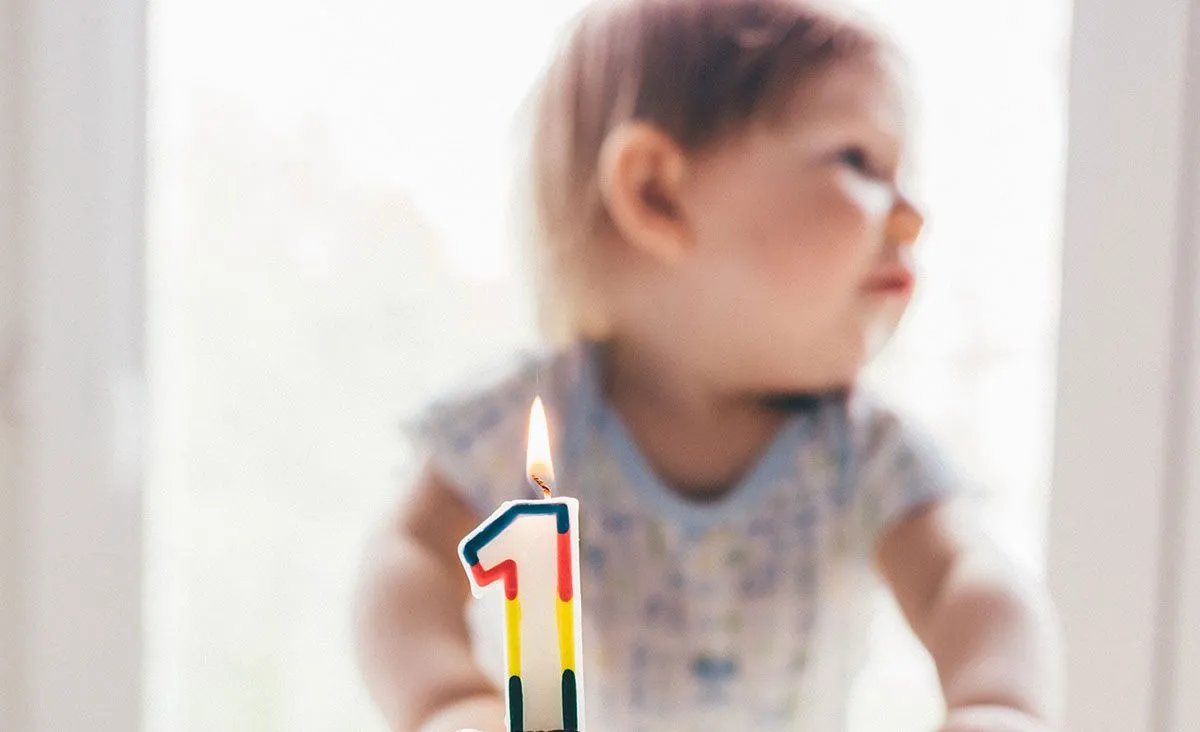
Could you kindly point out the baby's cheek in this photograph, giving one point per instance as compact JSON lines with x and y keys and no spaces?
{"x":809,"y":283}
{"x":812,"y":245}
{"x":802,"y":260}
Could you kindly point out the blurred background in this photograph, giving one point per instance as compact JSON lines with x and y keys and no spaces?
{"x":322,"y":247}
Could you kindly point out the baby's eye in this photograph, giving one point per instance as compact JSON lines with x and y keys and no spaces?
{"x":857,"y":159}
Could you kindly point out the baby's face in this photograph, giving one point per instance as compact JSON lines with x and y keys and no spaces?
{"x":801,"y":261}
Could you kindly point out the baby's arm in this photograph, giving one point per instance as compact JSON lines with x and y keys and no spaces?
{"x":414,"y":647}
{"x":991,"y":632}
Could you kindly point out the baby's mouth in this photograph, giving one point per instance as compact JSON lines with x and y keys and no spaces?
{"x":893,"y":279}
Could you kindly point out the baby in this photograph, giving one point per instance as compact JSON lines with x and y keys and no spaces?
{"x":726,"y":242}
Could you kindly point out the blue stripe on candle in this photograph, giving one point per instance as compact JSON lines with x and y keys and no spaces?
{"x":570,"y":702}
{"x":489,"y":532}
{"x":516,"y":705}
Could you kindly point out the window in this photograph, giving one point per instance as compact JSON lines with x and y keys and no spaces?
{"x":327,"y":252}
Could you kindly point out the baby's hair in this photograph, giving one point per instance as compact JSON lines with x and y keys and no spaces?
{"x":697,"y":70}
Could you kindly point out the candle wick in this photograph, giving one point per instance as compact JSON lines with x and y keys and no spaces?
{"x":541,"y":484}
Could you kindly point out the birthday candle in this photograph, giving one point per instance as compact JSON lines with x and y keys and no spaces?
{"x":532,"y":548}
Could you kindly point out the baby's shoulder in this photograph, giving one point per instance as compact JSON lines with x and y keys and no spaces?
{"x":896,"y":466}
{"x":475,"y":434}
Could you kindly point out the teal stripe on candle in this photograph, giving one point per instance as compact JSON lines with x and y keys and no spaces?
{"x":562,"y":515}
{"x":570,"y":702}
{"x":516,"y":705}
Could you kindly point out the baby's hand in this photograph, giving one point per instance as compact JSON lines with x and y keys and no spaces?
{"x":992,"y":719}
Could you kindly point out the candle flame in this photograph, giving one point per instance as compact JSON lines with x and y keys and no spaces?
{"x":539,"y":467}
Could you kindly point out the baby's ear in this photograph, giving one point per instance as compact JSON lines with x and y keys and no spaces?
{"x":642,"y":172}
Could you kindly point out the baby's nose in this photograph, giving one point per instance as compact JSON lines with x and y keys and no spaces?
{"x":905,"y":222}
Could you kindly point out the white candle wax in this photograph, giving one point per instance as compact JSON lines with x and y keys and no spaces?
{"x":529,"y":550}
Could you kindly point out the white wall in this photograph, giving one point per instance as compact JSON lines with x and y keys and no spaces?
{"x":10,"y":659}
{"x":1122,"y":548}
{"x":1186,"y":708}
{"x":71,"y":179}
{"x":1183,"y":606}
{"x":9,"y":662}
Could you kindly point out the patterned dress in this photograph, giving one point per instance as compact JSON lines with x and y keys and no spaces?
{"x":747,"y":613}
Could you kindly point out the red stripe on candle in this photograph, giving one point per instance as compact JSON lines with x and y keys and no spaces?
{"x":566,"y":586}
{"x":506,"y":570}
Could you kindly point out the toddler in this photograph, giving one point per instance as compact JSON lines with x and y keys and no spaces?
{"x":725,"y":242}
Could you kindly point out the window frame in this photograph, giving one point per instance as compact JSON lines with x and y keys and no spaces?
{"x":72,"y":137}
{"x":1123,"y":553}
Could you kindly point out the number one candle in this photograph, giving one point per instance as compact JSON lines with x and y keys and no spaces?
{"x":532,"y":548}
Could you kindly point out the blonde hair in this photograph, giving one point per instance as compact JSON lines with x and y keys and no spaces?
{"x":696,"y":69}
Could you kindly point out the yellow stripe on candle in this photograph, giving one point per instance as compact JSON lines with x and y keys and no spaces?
{"x":566,"y":633}
{"x":512,"y":618}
